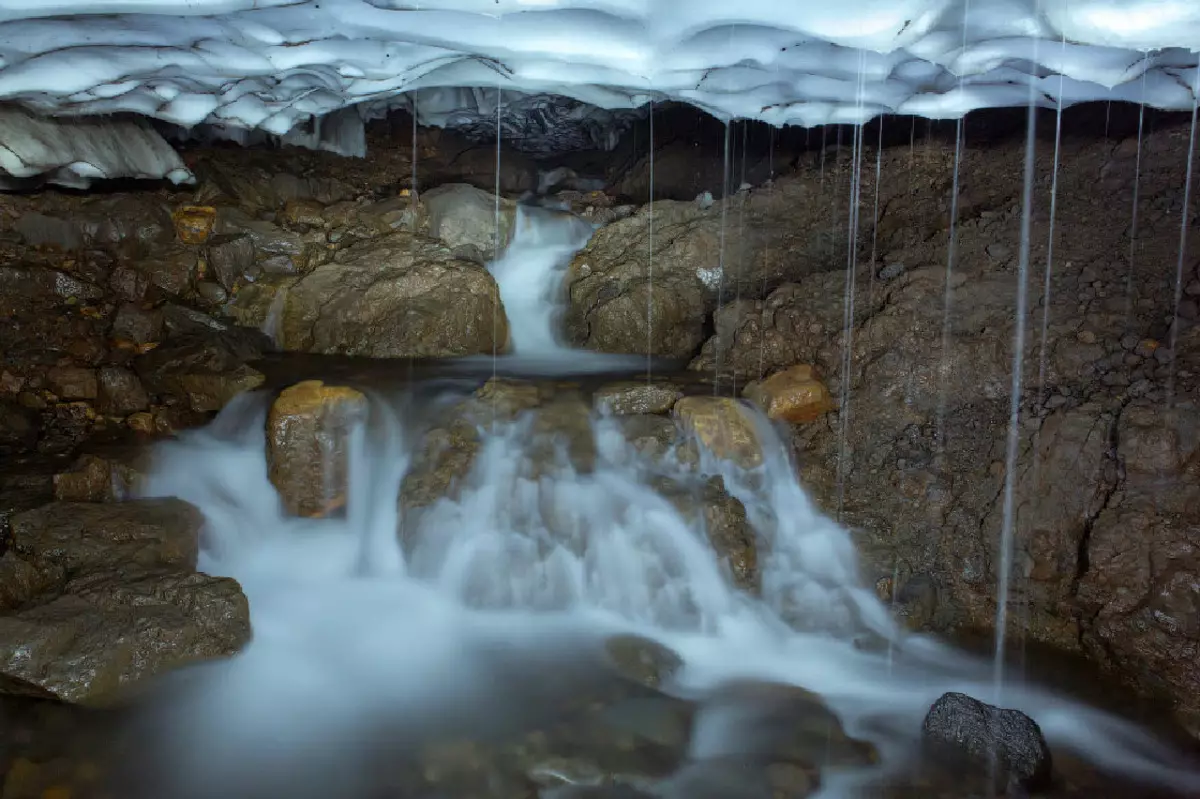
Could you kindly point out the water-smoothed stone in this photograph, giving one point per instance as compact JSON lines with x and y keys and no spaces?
{"x":194,"y":223}
{"x":399,"y":296}
{"x":650,"y":435}
{"x":631,"y":397}
{"x":465,"y":218}
{"x":974,"y":731}
{"x":794,"y":395}
{"x":308,"y":440}
{"x":722,"y":518}
{"x":106,"y":632}
{"x":641,"y":660}
{"x":723,"y":426}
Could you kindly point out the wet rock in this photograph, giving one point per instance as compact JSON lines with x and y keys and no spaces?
{"x":794,"y":395}
{"x":650,"y":435}
{"x":194,"y":223}
{"x":137,"y":325}
{"x":641,"y":660}
{"x":105,"y":633}
{"x":268,"y":239}
{"x":464,"y":218}
{"x":18,"y":427}
{"x":89,"y":479}
{"x":120,"y":392}
{"x":626,"y":398}
{"x":389,"y":216}
{"x":70,"y":539}
{"x":172,"y":270}
{"x":207,"y":371}
{"x":65,"y":425}
{"x":231,"y":259}
{"x":209,"y":392}
{"x":308,"y":432}
{"x":128,"y":283}
{"x":722,"y":518}
{"x":303,"y":213}
{"x":180,"y":321}
{"x":723,"y":426}
{"x":211,"y":293}
{"x":978,"y":732}
{"x":400,"y":296}
{"x":72,"y":382}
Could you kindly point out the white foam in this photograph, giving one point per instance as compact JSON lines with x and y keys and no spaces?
{"x":349,"y":638}
{"x":270,"y":64}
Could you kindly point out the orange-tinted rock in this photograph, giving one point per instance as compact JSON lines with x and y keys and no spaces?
{"x":724,"y":426}
{"x":194,"y":223}
{"x":308,"y":431}
{"x":794,"y":395}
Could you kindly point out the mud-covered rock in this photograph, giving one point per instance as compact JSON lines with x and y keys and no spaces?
{"x":400,"y":296}
{"x":308,"y":445}
{"x":963,"y":726}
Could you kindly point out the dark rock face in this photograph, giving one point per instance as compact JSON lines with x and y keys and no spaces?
{"x":97,"y":596}
{"x":968,"y":727}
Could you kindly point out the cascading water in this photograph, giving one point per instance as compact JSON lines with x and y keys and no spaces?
{"x":486,"y":605}
{"x":529,"y":276}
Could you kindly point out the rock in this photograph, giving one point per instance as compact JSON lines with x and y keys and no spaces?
{"x":212,"y":391}
{"x":70,"y":539}
{"x":194,"y":223}
{"x":623,"y":399}
{"x":308,"y":431}
{"x":18,"y":428}
{"x":892,"y":271}
{"x":128,"y":283}
{"x":464,"y":218}
{"x":231,"y":259}
{"x":137,"y":326}
{"x":303,"y":213}
{"x":651,"y":436}
{"x":107,"y":632}
{"x":400,"y":296}
{"x":72,"y":382}
{"x":723,"y":426}
{"x":211,"y":293}
{"x":794,"y":395}
{"x":172,"y":270}
{"x":268,"y":239}
{"x":978,"y":732}
{"x":389,"y":216}
{"x":183,"y":321}
{"x":722,"y":518}
{"x":89,"y":479}
{"x":120,"y":392}
{"x":641,"y":660}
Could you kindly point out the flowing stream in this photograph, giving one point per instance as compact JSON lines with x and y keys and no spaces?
{"x":379,"y":631}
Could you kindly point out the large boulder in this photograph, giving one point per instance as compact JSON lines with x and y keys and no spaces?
{"x":99,"y":596}
{"x":960,"y":726}
{"x":308,"y":445}
{"x":724,"y":427}
{"x":625,"y":298}
{"x":403,"y":295}
{"x":465,"y":219}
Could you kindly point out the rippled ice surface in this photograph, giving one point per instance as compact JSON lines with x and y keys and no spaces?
{"x":354,"y":636}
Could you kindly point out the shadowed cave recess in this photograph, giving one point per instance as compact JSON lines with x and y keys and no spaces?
{"x":620,"y":399}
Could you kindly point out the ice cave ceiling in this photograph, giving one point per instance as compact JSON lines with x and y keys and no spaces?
{"x":566,"y":72}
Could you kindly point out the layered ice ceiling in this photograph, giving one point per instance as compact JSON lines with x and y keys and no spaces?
{"x":282,"y":67}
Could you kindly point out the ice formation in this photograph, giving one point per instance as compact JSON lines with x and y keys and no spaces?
{"x":272,"y":64}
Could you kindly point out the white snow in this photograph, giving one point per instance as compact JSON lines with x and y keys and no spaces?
{"x":271,"y":64}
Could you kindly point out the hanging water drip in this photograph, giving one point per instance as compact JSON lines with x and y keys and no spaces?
{"x":1137,"y":180}
{"x":721,"y":257}
{"x":1008,"y":520}
{"x":650,"y":259}
{"x":1184,"y":223}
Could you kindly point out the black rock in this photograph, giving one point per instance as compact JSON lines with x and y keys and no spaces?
{"x":978,"y":732}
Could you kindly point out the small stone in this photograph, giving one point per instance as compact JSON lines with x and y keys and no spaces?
{"x":72,"y":382}
{"x":211,"y":293}
{"x":1192,"y":289}
{"x":1086,"y":337}
{"x":308,"y":431}
{"x":308,"y":213}
{"x":89,"y":479}
{"x":794,"y":395}
{"x":231,"y":258}
{"x":1163,"y":355}
{"x":194,"y":223}
{"x":128,"y":283}
{"x":627,"y":398}
{"x":1146,"y":347}
{"x":642,"y":660}
{"x":1129,"y":341}
{"x":1056,"y":401}
{"x":142,"y":423}
{"x":892,"y":271}
{"x":138,"y":326}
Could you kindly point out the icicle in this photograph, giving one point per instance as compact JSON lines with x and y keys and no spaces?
{"x":1183,"y":230}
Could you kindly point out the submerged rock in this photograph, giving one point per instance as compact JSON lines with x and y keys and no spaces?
{"x":978,"y":732}
{"x":722,"y":518}
{"x":642,"y":660}
{"x":308,"y":439}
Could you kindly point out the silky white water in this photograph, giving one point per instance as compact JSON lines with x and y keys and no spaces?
{"x":360,"y":640}
{"x":529,"y":276}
